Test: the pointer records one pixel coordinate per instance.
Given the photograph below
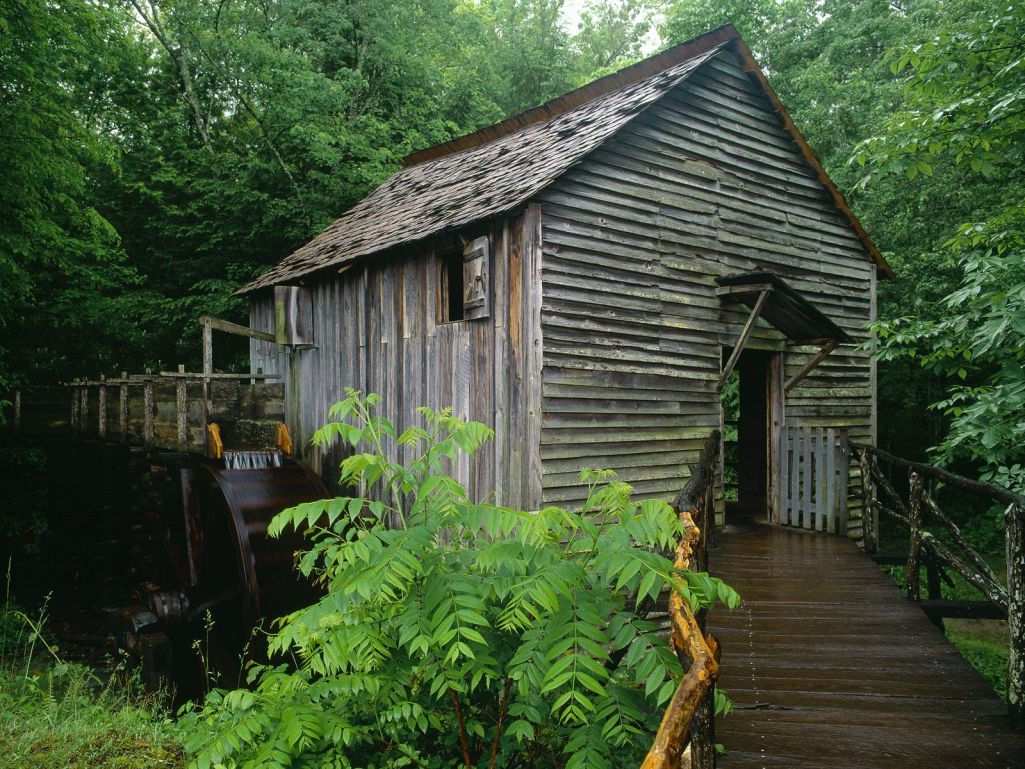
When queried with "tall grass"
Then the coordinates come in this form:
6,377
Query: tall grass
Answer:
55,713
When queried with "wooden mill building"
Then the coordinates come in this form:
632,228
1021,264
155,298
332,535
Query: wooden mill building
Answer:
581,277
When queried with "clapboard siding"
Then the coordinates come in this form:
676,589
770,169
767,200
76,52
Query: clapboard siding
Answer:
707,182
376,329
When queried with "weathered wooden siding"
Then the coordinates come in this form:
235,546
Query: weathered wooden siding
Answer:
376,329
705,183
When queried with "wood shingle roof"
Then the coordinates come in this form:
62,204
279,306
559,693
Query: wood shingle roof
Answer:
497,169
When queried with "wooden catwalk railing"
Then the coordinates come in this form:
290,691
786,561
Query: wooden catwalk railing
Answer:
692,708
920,510
168,410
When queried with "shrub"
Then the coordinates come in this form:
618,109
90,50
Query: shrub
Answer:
459,632
59,714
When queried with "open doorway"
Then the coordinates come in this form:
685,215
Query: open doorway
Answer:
747,429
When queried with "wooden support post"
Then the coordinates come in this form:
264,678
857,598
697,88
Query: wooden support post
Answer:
17,409
122,407
101,407
181,411
75,404
807,368
915,545
83,414
1014,526
867,505
208,368
932,579
147,413
933,587
745,334
702,733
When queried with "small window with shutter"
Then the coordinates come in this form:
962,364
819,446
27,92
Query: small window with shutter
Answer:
476,283
465,282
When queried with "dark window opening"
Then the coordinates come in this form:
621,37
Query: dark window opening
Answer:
452,287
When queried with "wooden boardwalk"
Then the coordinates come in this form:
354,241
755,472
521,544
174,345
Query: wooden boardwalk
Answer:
830,666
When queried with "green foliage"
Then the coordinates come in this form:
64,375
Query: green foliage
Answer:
986,653
453,627
965,91
56,713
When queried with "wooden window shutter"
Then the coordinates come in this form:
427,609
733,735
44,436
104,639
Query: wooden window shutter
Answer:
293,316
477,278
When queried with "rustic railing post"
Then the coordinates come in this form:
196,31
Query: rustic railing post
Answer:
101,407
868,534
147,411
1014,524
208,368
122,409
74,405
181,411
915,544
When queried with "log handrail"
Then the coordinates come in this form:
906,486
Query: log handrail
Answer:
924,548
997,492
692,707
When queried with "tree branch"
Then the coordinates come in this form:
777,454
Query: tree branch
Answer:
501,717
467,761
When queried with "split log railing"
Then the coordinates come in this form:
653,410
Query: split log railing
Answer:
692,708
925,549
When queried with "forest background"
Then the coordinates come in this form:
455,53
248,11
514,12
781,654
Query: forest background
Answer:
155,154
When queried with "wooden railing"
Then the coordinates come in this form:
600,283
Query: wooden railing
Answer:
925,549
169,410
692,708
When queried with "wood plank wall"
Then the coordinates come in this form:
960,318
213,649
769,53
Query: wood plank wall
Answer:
376,329
705,183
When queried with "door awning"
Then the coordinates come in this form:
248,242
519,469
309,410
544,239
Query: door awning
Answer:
783,307
769,297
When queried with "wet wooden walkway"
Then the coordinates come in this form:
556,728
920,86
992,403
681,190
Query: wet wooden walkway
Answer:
829,666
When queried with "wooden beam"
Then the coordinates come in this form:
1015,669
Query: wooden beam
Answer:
807,368
220,376
234,328
947,609
735,292
745,334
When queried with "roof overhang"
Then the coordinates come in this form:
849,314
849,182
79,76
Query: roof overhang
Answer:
782,307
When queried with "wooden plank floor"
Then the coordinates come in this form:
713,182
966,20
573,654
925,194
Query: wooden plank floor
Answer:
829,666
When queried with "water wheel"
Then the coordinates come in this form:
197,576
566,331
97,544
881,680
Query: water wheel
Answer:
233,575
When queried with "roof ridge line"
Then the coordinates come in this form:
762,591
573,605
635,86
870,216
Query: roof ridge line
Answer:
586,93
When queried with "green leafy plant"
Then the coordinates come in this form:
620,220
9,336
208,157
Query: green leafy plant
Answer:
454,631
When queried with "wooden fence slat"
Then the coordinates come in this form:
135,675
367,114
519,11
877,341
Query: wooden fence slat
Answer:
808,479
784,476
795,477
821,521
843,472
831,482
